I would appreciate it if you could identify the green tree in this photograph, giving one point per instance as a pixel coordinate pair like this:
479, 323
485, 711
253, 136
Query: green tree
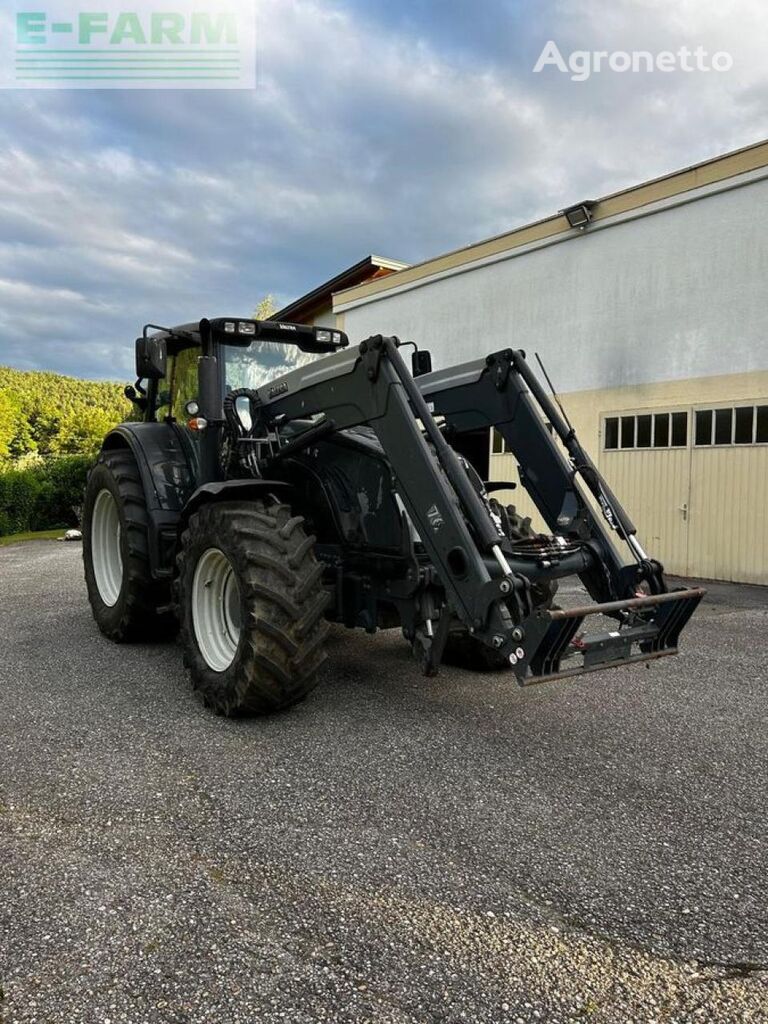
51, 415
265, 309
8, 420
81, 430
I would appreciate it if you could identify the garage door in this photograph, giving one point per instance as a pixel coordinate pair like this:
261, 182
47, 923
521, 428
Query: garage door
695, 481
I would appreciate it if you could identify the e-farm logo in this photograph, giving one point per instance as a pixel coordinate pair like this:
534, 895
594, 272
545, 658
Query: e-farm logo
141, 44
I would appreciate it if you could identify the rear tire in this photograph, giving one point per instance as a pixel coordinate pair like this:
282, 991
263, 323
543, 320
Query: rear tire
251, 603
123, 596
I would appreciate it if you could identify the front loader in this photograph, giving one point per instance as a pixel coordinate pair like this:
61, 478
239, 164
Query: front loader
281, 479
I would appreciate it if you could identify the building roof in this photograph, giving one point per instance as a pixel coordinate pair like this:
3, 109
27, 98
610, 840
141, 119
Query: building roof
368, 269
707, 173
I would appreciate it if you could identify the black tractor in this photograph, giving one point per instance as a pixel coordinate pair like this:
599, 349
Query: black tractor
281, 479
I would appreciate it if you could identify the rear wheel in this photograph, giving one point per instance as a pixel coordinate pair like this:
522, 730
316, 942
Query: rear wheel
251, 604
125, 600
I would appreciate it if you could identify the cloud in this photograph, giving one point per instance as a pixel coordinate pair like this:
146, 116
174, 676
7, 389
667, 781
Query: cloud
405, 128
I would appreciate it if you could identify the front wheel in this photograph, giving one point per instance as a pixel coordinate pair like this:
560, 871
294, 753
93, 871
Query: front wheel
251, 604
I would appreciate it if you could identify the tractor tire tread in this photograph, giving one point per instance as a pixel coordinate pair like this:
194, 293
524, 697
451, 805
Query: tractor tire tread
137, 614
280, 651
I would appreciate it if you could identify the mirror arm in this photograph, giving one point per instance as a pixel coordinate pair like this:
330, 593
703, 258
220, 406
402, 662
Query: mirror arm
137, 398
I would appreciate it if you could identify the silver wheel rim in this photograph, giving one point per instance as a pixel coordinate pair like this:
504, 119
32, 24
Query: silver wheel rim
216, 609
106, 552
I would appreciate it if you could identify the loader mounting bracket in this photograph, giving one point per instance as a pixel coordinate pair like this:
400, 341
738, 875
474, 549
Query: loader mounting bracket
372, 351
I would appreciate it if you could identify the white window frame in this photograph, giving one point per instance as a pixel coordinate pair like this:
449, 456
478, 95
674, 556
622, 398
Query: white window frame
653, 413
713, 407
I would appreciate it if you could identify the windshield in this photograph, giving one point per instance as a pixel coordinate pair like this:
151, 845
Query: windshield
261, 362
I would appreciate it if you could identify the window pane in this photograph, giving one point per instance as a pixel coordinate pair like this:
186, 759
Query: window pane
612, 432
762, 424
643, 431
744, 420
164, 389
184, 382
723, 426
498, 443
627, 431
661, 430
704, 427
679, 429
257, 364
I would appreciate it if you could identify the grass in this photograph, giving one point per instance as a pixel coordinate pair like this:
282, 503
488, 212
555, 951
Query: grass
16, 538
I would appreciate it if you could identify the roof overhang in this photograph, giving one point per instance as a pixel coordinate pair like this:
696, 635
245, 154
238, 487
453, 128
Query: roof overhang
372, 267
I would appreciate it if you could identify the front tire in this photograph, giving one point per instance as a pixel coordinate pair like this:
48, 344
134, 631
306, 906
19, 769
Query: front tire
125, 600
251, 604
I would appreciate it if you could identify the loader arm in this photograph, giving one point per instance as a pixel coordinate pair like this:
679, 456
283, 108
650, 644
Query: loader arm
475, 574
371, 385
502, 392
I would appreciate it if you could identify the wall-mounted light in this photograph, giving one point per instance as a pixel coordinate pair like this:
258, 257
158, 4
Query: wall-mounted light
580, 214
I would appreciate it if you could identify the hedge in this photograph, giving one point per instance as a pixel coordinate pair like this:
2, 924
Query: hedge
43, 497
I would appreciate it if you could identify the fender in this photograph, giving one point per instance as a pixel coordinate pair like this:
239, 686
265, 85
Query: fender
166, 461
229, 490
167, 464
168, 467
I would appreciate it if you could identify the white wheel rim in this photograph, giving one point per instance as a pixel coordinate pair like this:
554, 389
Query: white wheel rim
105, 548
216, 609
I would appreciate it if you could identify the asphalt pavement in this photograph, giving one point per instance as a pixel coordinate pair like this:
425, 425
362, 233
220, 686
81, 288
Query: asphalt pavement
396, 849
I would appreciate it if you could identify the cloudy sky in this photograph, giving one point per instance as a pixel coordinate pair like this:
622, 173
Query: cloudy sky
399, 127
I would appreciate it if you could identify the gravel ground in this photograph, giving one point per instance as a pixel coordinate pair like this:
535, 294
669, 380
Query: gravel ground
395, 850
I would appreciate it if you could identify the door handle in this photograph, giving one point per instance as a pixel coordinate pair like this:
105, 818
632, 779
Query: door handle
684, 509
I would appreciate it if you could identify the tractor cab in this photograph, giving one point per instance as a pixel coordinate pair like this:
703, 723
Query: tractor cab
238, 354
191, 370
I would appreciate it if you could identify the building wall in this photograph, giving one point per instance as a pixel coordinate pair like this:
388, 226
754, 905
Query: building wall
701, 510
663, 310
672, 295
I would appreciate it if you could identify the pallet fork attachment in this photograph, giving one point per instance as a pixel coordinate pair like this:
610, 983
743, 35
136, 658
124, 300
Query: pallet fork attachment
643, 638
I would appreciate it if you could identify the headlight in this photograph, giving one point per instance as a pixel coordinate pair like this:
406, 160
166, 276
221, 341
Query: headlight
192, 408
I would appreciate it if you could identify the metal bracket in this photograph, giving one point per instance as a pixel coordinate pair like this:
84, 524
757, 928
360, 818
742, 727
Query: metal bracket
504, 362
429, 649
513, 590
372, 352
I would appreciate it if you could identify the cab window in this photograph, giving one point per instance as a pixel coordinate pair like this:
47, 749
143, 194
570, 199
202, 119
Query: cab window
180, 384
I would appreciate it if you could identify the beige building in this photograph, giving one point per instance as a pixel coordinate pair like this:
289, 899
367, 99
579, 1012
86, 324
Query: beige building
652, 320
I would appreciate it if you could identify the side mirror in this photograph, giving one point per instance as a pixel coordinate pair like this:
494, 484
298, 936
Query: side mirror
421, 362
151, 358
